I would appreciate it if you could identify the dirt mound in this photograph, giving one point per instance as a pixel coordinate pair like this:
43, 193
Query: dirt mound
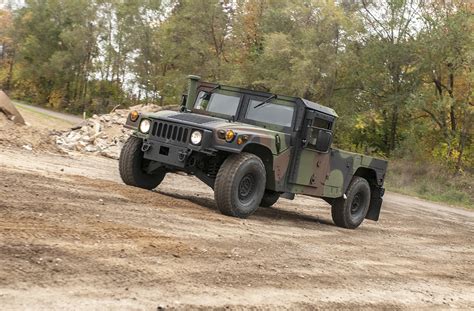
23, 136
102, 134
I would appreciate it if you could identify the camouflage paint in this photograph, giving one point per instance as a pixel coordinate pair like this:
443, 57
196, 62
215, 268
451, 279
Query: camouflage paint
192, 91
295, 169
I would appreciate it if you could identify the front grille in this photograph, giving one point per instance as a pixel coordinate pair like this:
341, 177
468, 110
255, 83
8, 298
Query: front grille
170, 131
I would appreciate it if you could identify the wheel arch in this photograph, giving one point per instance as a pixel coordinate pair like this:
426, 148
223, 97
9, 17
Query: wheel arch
368, 174
266, 156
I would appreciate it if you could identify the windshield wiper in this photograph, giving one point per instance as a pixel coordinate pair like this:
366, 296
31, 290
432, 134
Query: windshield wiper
265, 101
210, 92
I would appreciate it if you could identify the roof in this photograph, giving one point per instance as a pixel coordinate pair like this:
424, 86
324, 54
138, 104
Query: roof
318, 107
309, 104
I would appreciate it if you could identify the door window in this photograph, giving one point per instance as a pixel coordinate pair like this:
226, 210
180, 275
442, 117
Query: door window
317, 125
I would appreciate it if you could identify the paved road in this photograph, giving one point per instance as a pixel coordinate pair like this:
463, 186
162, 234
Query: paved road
59, 115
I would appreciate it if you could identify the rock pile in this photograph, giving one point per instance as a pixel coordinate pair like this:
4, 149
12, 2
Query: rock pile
104, 134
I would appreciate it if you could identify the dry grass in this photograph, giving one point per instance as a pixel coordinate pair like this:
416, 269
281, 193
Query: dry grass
432, 182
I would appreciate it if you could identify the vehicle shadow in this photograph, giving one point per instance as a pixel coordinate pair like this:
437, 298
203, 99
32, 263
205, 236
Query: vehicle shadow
272, 213
202, 201
276, 213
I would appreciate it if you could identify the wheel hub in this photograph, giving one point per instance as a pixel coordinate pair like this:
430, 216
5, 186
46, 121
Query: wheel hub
356, 203
246, 187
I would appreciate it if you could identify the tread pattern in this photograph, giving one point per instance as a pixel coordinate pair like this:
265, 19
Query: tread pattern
130, 168
224, 183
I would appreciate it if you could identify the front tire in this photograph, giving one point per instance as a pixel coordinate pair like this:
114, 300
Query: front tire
132, 166
351, 212
240, 184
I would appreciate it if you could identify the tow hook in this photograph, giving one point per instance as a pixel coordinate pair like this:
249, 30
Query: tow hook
183, 154
146, 146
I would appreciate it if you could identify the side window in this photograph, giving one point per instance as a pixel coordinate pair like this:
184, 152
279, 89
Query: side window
317, 125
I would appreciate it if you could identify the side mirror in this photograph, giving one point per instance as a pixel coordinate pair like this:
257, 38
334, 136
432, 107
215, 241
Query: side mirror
323, 141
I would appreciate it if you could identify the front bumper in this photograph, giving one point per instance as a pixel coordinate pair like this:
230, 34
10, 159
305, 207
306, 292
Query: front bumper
169, 143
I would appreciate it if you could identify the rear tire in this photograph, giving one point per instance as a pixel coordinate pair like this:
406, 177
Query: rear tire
269, 198
240, 185
351, 212
132, 166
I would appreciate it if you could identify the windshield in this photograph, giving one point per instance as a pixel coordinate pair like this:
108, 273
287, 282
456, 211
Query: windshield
271, 113
218, 103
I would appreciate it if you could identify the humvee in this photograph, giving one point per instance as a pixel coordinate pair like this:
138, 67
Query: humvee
252, 148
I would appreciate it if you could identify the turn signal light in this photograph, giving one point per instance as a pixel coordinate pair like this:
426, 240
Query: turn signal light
134, 115
242, 139
229, 136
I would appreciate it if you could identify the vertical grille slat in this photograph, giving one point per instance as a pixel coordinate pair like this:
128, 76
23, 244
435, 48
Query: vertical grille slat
185, 136
175, 132
160, 127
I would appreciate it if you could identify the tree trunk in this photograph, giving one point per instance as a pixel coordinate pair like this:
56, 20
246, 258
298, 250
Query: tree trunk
462, 144
10, 72
393, 128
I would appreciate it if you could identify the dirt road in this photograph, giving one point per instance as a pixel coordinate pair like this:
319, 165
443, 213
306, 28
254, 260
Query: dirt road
73, 236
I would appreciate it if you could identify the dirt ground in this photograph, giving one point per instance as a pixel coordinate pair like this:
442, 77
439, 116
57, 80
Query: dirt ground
72, 236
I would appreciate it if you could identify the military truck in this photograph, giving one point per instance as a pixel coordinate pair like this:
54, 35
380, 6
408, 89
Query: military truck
253, 148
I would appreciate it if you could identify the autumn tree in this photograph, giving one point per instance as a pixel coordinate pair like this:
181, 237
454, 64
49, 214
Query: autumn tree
7, 50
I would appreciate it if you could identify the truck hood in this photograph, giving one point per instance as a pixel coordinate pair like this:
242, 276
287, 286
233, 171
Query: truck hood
210, 122
275, 141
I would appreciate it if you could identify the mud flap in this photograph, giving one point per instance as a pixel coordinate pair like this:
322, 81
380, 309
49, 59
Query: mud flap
375, 204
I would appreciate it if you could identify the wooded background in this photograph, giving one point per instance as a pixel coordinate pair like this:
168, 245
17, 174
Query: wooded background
398, 72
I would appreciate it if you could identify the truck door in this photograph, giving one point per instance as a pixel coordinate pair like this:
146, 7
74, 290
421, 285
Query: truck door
311, 163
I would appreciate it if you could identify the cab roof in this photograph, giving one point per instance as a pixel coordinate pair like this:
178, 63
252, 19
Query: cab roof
315, 106
309, 104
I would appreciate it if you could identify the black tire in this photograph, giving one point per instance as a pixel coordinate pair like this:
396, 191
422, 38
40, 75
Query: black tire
269, 198
351, 212
131, 164
240, 185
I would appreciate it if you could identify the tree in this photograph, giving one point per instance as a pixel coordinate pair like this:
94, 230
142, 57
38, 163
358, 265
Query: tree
7, 50
445, 53
386, 60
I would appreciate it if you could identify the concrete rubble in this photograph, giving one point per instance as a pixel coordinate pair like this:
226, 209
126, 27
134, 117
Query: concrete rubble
102, 134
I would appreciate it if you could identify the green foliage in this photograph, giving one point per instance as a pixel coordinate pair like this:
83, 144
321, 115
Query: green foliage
398, 72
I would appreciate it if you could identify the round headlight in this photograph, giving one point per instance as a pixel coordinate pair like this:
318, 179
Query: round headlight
196, 137
145, 126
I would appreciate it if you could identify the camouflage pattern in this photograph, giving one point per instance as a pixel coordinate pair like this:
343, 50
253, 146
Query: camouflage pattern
291, 167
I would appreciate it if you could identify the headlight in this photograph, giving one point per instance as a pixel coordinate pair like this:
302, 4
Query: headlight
196, 137
145, 126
